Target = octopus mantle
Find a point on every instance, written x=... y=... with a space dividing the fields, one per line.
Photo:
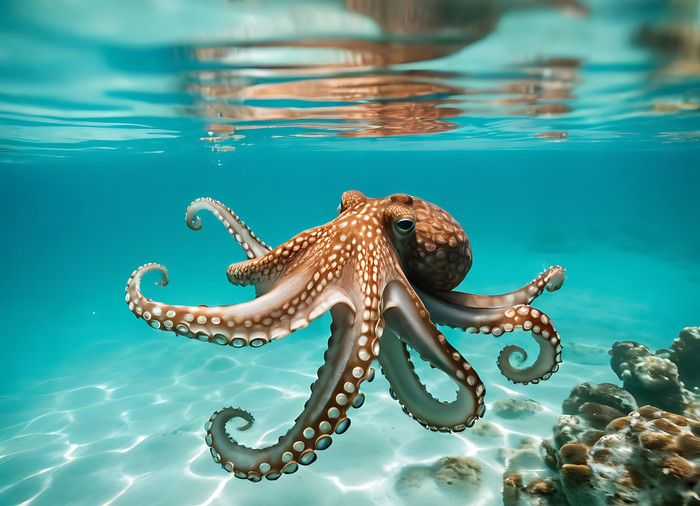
x=385 y=269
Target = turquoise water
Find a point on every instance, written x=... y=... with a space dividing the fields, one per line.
x=114 y=117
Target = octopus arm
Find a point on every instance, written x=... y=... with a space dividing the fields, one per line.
x=265 y=271
x=259 y=268
x=347 y=364
x=248 y=272
x=550 y=280
x=497 y=321
x=290 y=305
x=407 y=322
x=253 y=246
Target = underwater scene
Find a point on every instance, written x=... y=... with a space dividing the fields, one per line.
x=350 y=252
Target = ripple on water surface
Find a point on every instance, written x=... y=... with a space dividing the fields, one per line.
x=226 y=76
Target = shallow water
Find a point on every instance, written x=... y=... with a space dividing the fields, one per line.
x=557 y=135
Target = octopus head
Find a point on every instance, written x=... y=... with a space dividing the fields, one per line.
x=433 y=247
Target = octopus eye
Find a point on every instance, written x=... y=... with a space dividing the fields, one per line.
x=405 y=225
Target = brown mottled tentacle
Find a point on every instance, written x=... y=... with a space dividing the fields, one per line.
x=551 y=280
x=290 y=305
x=264 y=271
x=254 y=271
x=347 y=364
x=497 y=321
x=251 y=244
x=407 y=321
x=248 y=272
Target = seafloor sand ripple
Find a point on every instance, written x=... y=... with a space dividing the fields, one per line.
x=127 y=428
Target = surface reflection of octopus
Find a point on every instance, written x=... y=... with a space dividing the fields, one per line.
x=420 y=30
x=385 y=269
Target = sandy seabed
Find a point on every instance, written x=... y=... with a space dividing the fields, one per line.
x=126 y=427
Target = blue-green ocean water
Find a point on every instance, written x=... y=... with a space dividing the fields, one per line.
x=114 y=117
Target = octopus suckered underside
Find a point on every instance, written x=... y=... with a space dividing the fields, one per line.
x=385 y=269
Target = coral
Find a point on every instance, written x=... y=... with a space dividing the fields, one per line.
x=528 y=480
x=669 y=379
x=651 y=379
x=647 y=457
x=512 y=408
x=607 y=451
x=588 y=409
x=684 y=352
x=450 y=475
x=485 y=429
x=570 y=428
x=458 y=471
x=606 y=394
x=537 y=492
x=608 y=457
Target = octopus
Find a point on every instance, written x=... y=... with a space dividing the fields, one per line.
x=385 y=269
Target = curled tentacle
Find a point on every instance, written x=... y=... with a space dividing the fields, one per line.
x=497 y=321
x=251 y=244
x=347 y=364
x=408 y=321
x=226 y=414
x=550 y=280
x=545 y=335
x=291 y=304
x=415 y=399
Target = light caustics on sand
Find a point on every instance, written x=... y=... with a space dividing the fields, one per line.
x=386 y=269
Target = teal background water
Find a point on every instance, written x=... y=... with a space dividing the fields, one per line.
x=104 y=142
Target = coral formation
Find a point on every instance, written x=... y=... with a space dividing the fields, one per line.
x=458 y=471
x=449 y=475
x=607 y=451
x=668 y=379
x=684 y=352
x=648 y=457
x=528 y=480
x=588 y=410
x=605 y=394
x=536 y=493
x=485 y=429
x=651 y=379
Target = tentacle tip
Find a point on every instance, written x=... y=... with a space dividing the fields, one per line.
x=144 y=269
x=164 y=278
x=515 y=352
x=194 y=222
x=516 y=375
x=557 y=280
